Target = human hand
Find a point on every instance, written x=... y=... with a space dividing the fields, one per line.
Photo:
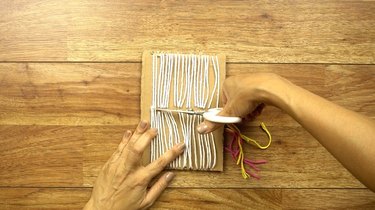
x=122 y=182
x=246 y=96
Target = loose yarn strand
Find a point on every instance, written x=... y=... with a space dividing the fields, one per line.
x=237 y=153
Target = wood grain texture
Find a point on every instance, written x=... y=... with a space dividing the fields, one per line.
x=43 y=198
x=80 y=111
x=59 y=122
x=220 y=199
x=41 y=156
x=69 y=94
x=109 y=94
x=33 y=30
x=328 y=199
x=72 y=156
x=74 y=198
x=247 y=31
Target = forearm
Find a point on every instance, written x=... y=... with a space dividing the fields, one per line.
x=348 y=136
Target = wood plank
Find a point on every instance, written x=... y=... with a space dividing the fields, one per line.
x=88 y=107
x=41 y=156
x=72 y=156
x=69 y=94
x=345 y=85
x=33 y=30
x=246 y=31
x=295 y=160
x=351 y=86
x=108 y=94
x=43 y=198
x=328 y=199
x=75 y=198
x=220 y=199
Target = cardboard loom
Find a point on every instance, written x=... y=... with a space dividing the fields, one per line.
x=146 y=97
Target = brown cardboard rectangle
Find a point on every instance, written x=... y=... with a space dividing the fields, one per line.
x=146 y=96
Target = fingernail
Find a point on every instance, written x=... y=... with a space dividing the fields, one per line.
x=181 y=146
x=143 y=124
x=128 y=134
x=202 y=128
x=154 y=130
x=169 y=176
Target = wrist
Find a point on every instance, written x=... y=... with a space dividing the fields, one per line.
x=276 y=91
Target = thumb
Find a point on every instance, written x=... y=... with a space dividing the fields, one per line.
x=208 y=126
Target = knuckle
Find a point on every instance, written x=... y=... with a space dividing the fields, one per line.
x=134 y=138
x=109 y=169
x=142 y=181
x=134 y=151
x=137 y=150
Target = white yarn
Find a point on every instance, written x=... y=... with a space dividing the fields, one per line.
x=153 y=106
x=186 y=79
x=218 y=83
x=190 y=74
x=207 y=87
x=212 y=142
x=184 y=72
x=196 y=80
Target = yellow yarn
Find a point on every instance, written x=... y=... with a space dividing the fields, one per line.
x=240 y=159
x=245 y=175
x=248 y=139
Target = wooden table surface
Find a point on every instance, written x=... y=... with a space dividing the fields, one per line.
x=70 y=86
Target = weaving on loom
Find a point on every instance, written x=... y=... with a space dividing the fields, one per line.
x=175 y=89
x=173 y=81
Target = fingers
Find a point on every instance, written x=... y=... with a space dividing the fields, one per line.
x=145 y=139
x=157 y=166
x=141 y=128
x=125 y=140
x=156 y=190
x=208 y=126
x=138 y=143
x=132 y=146
x=121 y=146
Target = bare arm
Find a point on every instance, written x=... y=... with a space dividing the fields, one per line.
x=347 y=135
